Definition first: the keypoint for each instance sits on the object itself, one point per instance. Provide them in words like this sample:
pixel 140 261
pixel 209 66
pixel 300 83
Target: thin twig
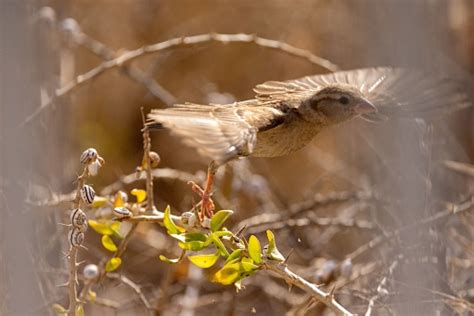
pixel 161 173
pixel 131 71
pixel 135 287
pixel 461 167
pixel 187 41
pixel 262 222
pixel 452 209
pixel 148 169
pixel 291 278
pixel 381 291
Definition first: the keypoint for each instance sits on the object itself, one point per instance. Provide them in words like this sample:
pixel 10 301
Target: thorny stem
pixel 147 163
pixel 292 278
pixel 187 41
pixel 72 255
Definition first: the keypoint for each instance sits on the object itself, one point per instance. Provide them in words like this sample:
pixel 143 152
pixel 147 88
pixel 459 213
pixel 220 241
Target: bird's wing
pixel 220 132
pixel 394 91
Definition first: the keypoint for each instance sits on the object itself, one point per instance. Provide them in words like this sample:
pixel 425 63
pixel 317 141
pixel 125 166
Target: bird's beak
pixel 365 107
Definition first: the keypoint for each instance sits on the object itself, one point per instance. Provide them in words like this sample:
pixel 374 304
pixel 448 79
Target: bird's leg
pixel 207 205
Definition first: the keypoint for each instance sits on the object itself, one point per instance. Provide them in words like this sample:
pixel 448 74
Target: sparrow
pixel 285 116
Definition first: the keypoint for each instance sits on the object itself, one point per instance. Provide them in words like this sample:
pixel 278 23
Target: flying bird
pixel 285 116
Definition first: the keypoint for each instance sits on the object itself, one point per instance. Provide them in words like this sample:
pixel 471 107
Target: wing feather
pixel 220 132
pixel 394 91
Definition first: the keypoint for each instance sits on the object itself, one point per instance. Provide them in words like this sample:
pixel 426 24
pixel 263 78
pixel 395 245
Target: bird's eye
pixel 344 100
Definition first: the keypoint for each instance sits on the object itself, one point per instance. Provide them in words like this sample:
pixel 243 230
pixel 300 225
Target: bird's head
pixel 334 105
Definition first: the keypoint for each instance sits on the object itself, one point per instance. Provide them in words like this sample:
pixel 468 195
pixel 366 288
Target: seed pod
pixel 76 237
pixel 79 218
pixel 154 159
pixel 89 155
pixel 122 212
pixel 90 272
pixel 87 194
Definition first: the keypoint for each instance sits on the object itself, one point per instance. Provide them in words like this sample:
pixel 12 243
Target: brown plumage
pixel 285 116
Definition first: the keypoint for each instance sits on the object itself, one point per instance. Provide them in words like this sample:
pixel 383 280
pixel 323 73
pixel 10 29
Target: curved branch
pixel 181 42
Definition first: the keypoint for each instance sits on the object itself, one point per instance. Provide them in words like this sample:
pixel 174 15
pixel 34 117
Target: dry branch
pixel 187 41
pixel 291 278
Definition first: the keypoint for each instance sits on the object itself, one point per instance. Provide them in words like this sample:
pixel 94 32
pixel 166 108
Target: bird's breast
pixel 284 139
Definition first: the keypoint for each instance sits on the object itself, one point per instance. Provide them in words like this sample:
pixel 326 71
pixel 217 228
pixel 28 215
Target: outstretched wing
pixel 220 132
pixel 393 91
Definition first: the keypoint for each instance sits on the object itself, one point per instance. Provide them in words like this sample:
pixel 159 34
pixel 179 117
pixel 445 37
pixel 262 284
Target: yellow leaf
pixel 79 310
pixel 108 243
pixel 255 251
pixel 115 227
pixel 233 272
pixel 171 227
pixel 204 261
pixel 99 201
pixel 119 201
pixel 100 227
pixel 59 310
pixel 92 296
pixel 113 264
pixel 140 195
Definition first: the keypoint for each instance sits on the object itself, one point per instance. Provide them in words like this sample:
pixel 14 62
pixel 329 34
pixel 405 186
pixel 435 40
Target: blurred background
pixel 367 208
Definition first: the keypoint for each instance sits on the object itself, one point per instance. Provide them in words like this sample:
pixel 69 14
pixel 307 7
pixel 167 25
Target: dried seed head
pixel 122 212
pixel 76 237
pixel 90 272
pixel 89 155
pixel 154 159
pixel 87 194
pixel 79 219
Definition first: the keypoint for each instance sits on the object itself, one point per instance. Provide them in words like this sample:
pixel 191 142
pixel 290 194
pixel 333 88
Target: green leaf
pixel 219 218
pixel 223 233
pixel 186 237
pixel 169 224
pixel 140 195
pixel 79 310
pixel 192 245
pixel 255 251
pixel 204 261
pixel 236 254
pixel 233 272
pixel 272 251
pixel 113 264
pixel 248 265
pixel 168 260
pixel 59 310
pixel 108 243
pixel 100 227
pixel 220 245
